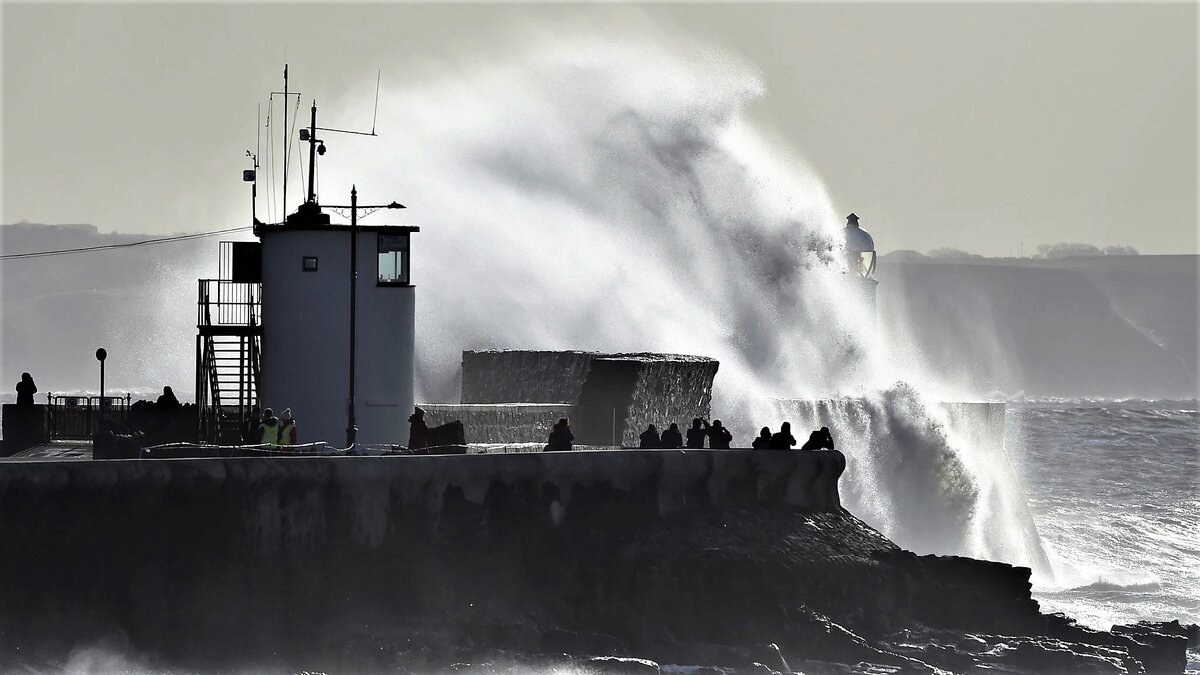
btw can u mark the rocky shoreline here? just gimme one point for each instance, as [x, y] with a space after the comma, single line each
[492, 563]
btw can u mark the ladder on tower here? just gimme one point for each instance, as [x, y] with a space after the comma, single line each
[228, 342]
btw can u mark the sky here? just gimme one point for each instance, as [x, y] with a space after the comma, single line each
[984, 127]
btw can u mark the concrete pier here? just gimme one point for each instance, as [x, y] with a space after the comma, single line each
[180, 555]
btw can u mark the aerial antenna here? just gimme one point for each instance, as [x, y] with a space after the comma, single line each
[286, 93]
[375, 115]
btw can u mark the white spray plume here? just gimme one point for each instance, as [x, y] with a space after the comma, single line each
[587, 196]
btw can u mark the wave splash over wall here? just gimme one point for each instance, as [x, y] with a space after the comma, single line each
[619, 200]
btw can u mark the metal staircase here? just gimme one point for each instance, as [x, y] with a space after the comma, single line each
[228, 340]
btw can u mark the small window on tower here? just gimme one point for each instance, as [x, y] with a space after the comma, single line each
[393, 259]
[310, 263]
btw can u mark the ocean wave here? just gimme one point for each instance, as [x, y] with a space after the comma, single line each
[1105, 585]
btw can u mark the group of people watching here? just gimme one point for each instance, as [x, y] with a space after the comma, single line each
[717, 434]
[784, 440]
[274, 430]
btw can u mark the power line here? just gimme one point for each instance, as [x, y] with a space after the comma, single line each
[106, 247]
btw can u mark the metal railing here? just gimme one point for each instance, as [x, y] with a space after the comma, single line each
[78, 417]
[228, 303]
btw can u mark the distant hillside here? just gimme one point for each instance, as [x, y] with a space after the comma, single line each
[139, 303]
[1108, 326]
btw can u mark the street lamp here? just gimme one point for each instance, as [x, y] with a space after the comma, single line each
[351, 422]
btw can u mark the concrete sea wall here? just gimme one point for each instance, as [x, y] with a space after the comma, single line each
[182, 556]
[614, 396]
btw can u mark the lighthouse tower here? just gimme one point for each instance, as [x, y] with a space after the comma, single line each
[860, 260]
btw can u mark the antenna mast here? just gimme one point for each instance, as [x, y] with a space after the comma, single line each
[286, 154]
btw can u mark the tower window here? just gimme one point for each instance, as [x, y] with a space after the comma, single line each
[309, 263]
[393, 259]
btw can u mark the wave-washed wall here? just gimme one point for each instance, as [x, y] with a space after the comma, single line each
[182, 555]
[613, 396]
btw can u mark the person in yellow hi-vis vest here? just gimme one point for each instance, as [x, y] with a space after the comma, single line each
[287, 428]
[268, 431]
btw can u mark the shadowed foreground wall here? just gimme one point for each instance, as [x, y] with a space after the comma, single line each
[183, 555]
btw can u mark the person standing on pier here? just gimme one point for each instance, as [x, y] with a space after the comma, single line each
[696, 435]
[418, 430]
[287, 428]
[672, 438]
[784, 440]
[25, 390]
[268, 431]
[764, 439]
[560, 436]
[719, 437]
[649, 438]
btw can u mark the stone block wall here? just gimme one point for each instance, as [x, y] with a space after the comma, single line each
[512, 376]
[613, 397]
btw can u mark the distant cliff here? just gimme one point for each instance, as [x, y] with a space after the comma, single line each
[1113, 326]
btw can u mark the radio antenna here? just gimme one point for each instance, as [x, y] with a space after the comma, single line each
[375, 115]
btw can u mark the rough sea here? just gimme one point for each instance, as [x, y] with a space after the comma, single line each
[1114, 488]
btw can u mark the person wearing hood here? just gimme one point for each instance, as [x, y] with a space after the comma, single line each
[560, 436]
[168, 400]
[672, 438]
[649, 438]
[287, 428]
[25, 390]
[418, 430]
[764, 439]
[784, 440]
[268, 431]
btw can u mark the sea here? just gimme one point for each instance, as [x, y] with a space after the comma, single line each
[1114, 490]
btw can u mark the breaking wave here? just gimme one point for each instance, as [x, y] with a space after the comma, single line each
[620, 201]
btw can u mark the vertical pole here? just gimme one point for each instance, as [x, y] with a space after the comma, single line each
[614, 427]
[101, 392]
[351, 425]
[312, 155]
[286, 100]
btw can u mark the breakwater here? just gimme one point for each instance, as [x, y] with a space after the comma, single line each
[183, 556]
[420, 562]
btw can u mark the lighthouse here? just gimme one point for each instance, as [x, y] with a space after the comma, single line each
[860, 260]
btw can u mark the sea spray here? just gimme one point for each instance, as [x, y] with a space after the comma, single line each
[588, 196]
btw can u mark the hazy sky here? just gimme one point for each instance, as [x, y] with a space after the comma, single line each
[966, 125]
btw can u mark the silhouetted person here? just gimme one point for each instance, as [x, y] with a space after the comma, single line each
[718, 436]
[764, 439]
[784, 440]
[819, 439]
[268, 431]
[287, 428]
[250, 431]
[671, 438]
[25, 390]
[649, 438]
[167, 401]
[696, 435]
[561, 436]
[418, 430]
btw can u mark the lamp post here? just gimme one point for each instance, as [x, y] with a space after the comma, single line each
[351, 421]
[101, 354]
